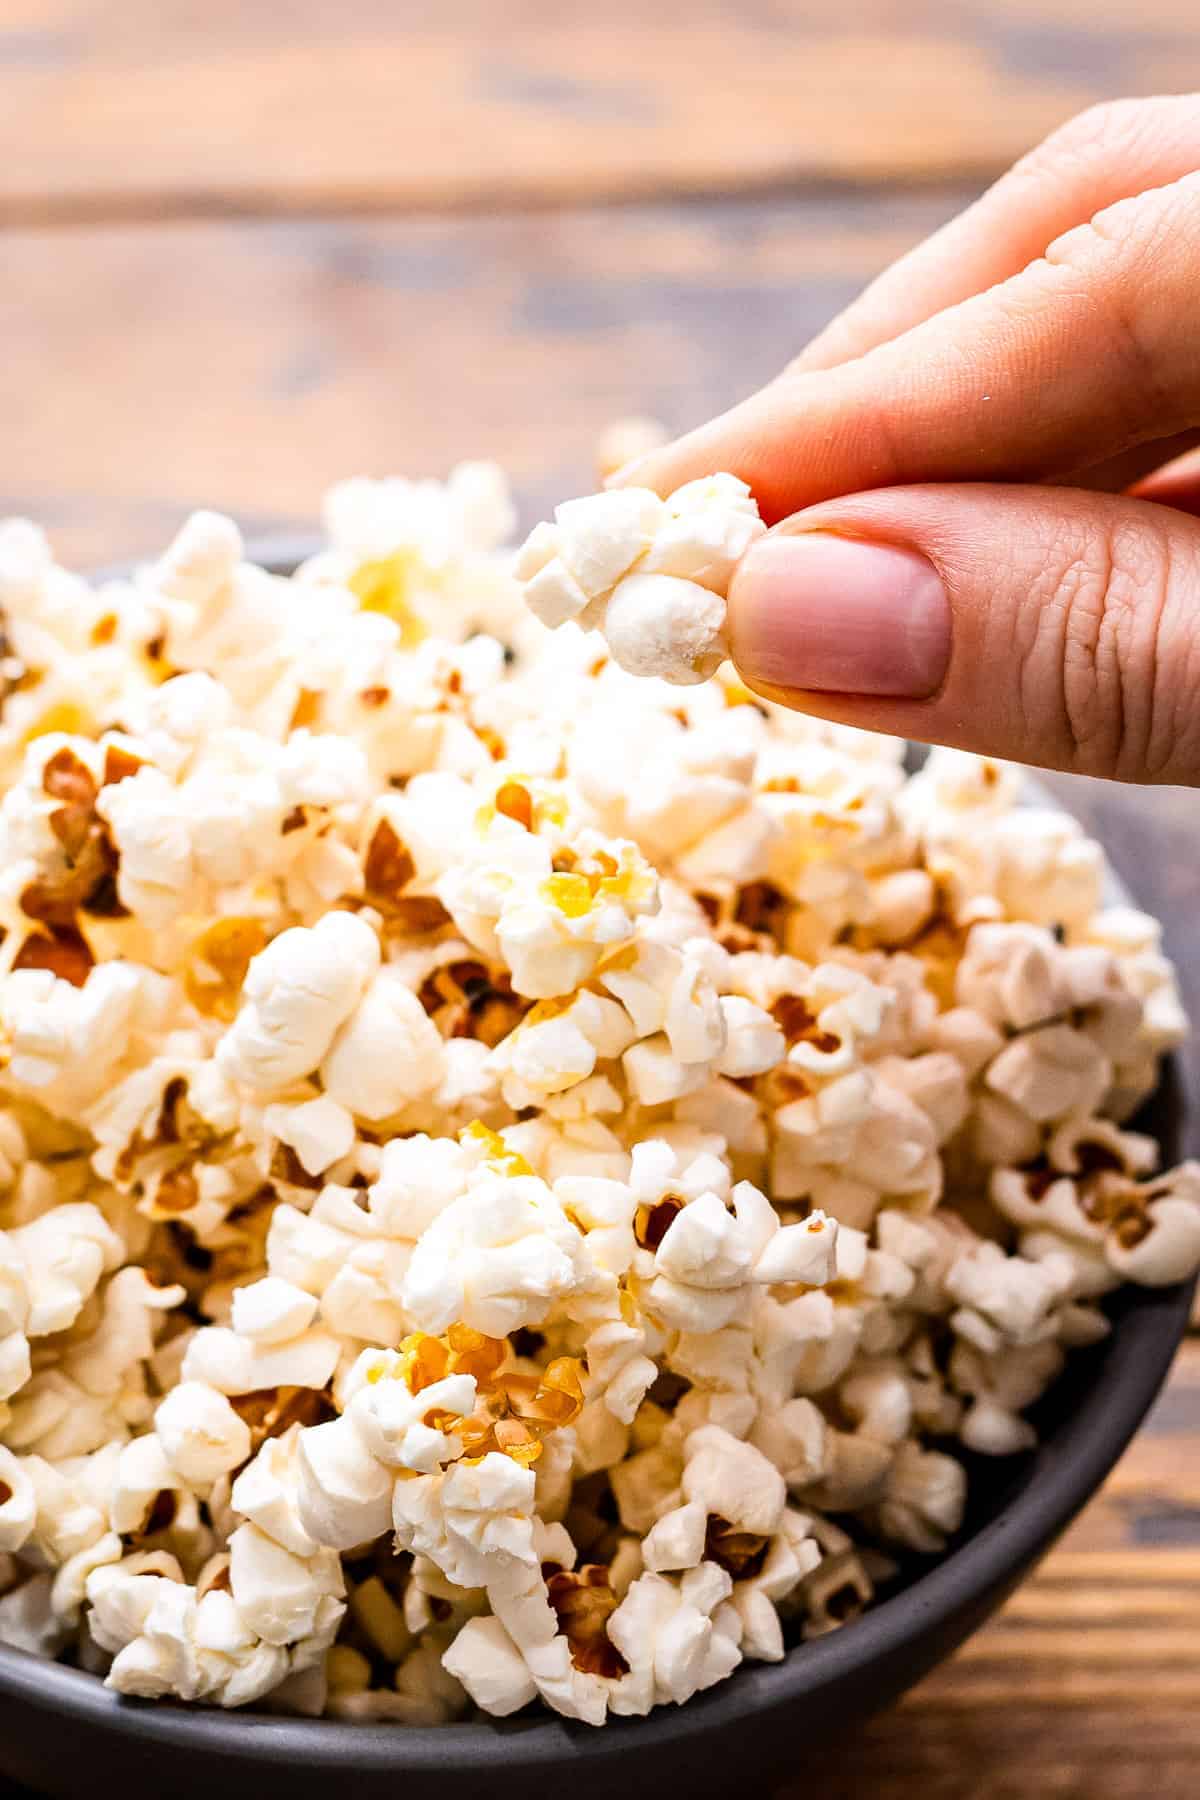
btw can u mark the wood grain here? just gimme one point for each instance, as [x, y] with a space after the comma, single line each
[160, 104]
[246, 365]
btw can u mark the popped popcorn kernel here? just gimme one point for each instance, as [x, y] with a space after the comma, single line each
[216, 969]
[583, 1602]
[518, 1178]
[383, 587]
[652, 575]
[493, 1146]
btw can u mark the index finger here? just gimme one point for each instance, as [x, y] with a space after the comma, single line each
[1081, 356]
[1106, 154]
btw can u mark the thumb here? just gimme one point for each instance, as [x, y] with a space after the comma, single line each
[1047, 625]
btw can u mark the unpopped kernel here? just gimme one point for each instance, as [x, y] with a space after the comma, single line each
[497, 1155]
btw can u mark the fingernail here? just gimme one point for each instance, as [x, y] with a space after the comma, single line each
[811, 610]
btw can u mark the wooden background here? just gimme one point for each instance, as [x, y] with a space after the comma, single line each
[247, 248]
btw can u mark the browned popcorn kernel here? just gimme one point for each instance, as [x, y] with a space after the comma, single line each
[67, 778]
[799, 1025]
[177, 1192]
[516, 803]
[217, 967]
[176, 1124]
[780, 1086]
[1095, 1158]
[59, 948]
[425, 1359]
[548, 1401]
[119, 765]
[514, 1413]
[651, 1223]
[466, 998]
[1120, 1204]
[519, 1411]
[1106, 1193]
[762, 908]
[269, 1412]
[492, 742]
[939, 944]
[740, 1553]
[88, 879]
[307, 711]
[214, 1576]
[286, 1167]
[388, 867]
[160, 1515]
[583, 1602]
[753, 917]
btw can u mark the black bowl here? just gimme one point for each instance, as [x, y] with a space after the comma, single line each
[62, 1732]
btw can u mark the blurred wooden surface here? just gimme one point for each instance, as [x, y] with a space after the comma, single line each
[246, 249]
[222, 105]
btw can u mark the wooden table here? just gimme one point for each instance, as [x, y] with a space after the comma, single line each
[246, 249]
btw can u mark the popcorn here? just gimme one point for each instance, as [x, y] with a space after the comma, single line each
[272, 1310]
[487, 1142]
[677, 1639]
[650, 574]
[706, 1256]
[236, 1365]
[387, 1054]
[549, 916]
[298, 991]
[491, 1668]
[201, 1435]
[498, 1258]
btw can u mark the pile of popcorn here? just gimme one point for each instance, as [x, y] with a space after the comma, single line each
[514, 1176]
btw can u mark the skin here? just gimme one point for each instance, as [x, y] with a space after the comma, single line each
[983, 478]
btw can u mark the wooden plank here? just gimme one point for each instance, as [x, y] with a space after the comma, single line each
[1121, 1746]
[247, 365]
[162, 104]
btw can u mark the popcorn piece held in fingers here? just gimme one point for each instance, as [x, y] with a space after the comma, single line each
[652, 575]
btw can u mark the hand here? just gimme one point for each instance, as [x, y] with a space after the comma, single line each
[958, 555]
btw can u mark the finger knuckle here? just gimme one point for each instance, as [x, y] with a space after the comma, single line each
[1117, 703]
[1097, 135]
[1121, 267]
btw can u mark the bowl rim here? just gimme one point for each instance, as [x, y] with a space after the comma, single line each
[1071, 1464]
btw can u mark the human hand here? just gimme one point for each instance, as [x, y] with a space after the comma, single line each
[957, 556]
